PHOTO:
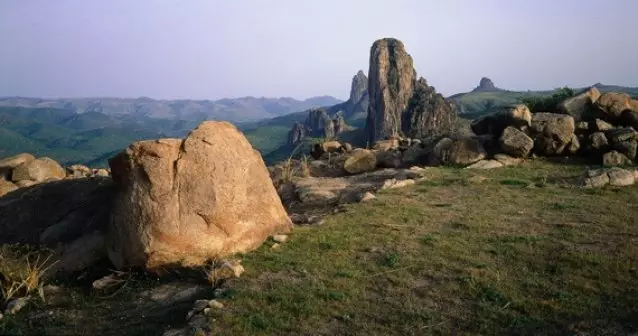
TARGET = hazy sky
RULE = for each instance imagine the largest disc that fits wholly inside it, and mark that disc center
(209, 49)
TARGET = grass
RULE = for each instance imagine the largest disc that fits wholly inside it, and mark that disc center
(21, 271)
(515, 252)
(452, 256)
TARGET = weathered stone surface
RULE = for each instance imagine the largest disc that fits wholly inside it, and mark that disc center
(518, 116)
(390, 87)
(6, 187)
(389, 159)
(395, 184)
(601, 125)
(462, 151)
(578, 106)
(620, 177)
(507, 160)
(516, 143)
(9, 163)
(319, 124)
(71, 217)
(339, 124)
(297, 133)
(319, 149)
(615, 158)
(628, 148)
(38, 170)
(181, 202)
(78, 171)
(428, 113)
(553, 132)
(25, 183)
(360, 161)
(386, 145)
(358, 101)
(574, 146)
(101, 172)
(582, 127)
(598, 140)
(617, 135)
(630, 117)
(594, 179)
(485, 164)
(415, 155)
(611, 105)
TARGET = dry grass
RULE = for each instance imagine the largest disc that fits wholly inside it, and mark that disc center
(22, 270)
(305, 166)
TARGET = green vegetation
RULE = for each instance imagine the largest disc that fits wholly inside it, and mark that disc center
(545, 103)
(431, 259)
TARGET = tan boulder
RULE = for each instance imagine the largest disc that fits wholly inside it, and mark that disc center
(78, 170)
(181, 202)
(553, 132)
(485, 164)
(39, 170)
(615, 158)
(578, 105)
(9, 163)
(518, 116)
(515, 142)
(101, 172)
(611, 105)
(6, 187)
(462, 151)
(360, 161)
(25, 183)
(386, 145)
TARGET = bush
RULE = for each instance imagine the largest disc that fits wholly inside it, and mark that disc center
(547, 103)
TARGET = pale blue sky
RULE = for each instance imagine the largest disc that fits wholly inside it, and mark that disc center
(209, 49)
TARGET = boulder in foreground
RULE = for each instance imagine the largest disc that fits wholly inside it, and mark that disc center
(181, 202)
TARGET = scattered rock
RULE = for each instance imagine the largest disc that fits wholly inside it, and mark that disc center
(628, 148)
(38, 170)
(367, 196)
(275, 246)
(598, 140)
(389, 159)
(463, 151)
(386, 145)
(515, 142)
(16, 305)
(228, 270)
(485, 164)
(582, 127)
(200, 305)
(182, 202)
(360, 161)
(282, 238)
(215, 304)
(595, 179)
(518, 116)
(615, 158)
(507, 160)
(620, 177)
(600, 125)
(617, 135)
(108, 281)
(298, 218)
(394, 183)
(415, 154)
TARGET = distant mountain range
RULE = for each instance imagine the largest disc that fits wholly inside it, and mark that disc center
(235, 110)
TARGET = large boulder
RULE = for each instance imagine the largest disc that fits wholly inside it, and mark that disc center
(38, 170)
(390, 88)
(389, 159)
(360, 161)
(617, 135)
(611, 105)
(515, 142)
(428, 113)
(598, 140)
(578, 105)
(9, 163)
(68, 216)
(553, 132)
(518, 116)
(6, 187)
(628, 148)
(615, 158)
(182, 202)
(460, 151)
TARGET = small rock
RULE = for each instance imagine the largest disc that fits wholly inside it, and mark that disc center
(594, 179)
(417, 169)
(281, 238)
(367, 196)
(621, 177)
(615, 158)
(215, 304)
(207, 311)
(15, 305)
(600, 125)
(275, 246)
(298, 218)
(200, 305)
(507, 160)
(394, 183)
(316, 220)
(485, 164)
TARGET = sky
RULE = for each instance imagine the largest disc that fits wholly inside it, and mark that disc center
(211, 49)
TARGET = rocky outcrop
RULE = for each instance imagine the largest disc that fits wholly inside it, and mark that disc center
(339, 124)
(486, 85)
(610, 106)
(297, 133)
(319, 124)
(518, 116)
(358, 101)
(553, 132)
(428, 113)
(515, 142)
(579, 105)
(390, 88)
(8, 164)
(181, 202)
(68, 216)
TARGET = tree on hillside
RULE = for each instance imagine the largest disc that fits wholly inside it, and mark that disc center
(547, 103)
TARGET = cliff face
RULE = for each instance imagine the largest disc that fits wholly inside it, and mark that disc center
(358, 101)
(390, 87)
(428, 113)
(486, 85)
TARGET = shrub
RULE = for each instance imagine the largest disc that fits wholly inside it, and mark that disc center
(547, 103)
(21, 270)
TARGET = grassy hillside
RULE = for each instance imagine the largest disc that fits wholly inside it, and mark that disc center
(543, 259)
